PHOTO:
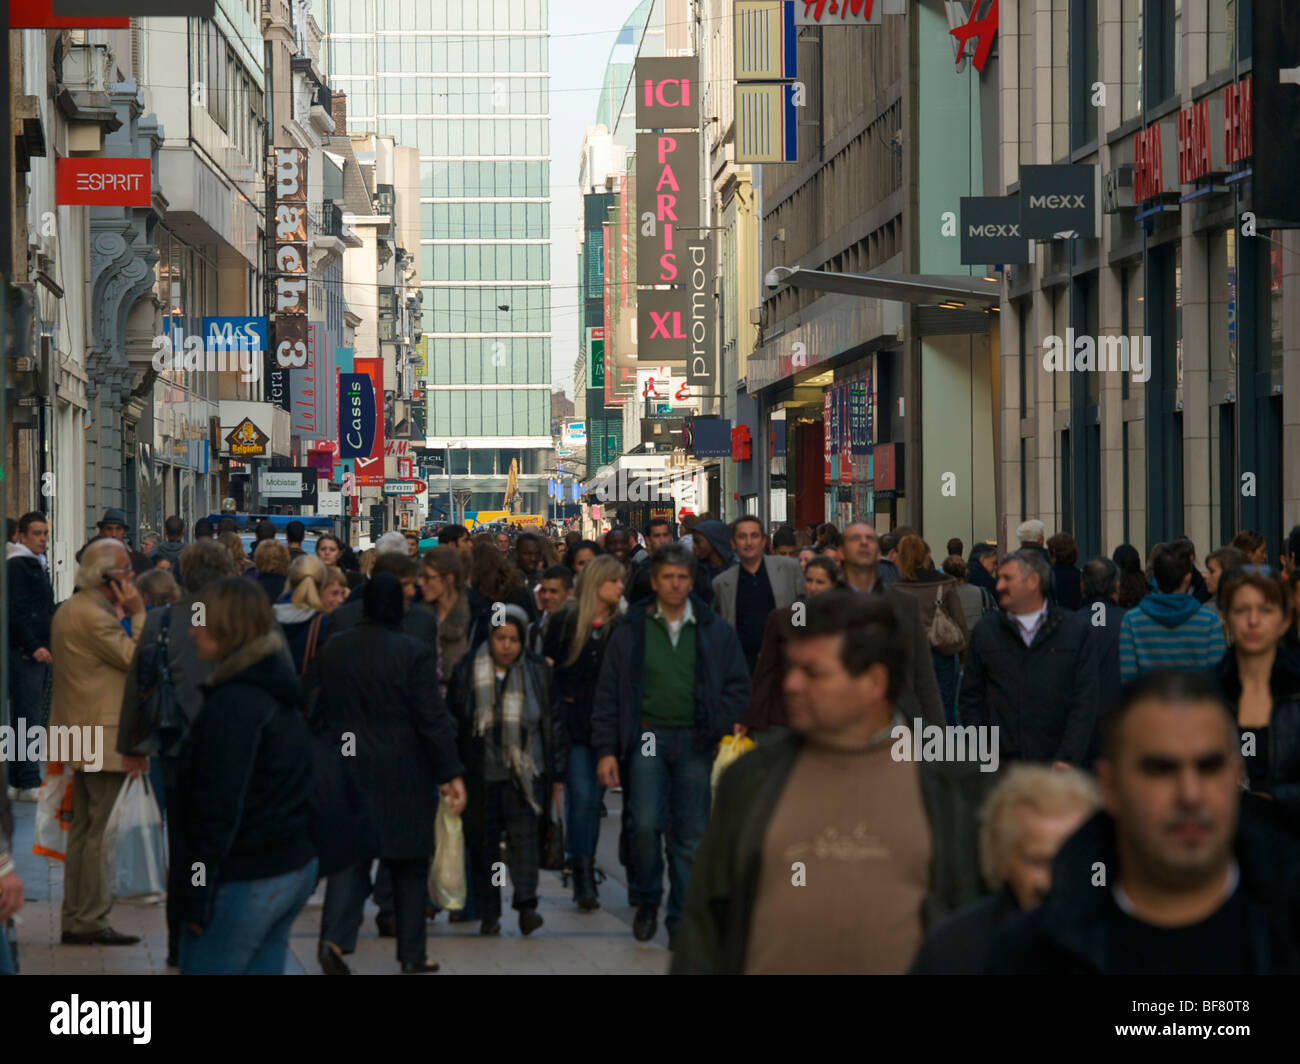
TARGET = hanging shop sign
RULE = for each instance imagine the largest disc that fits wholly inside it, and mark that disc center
(766, 40)
(1154, 162)
(838, 12)
(701, 362)
(974, 37)
(668, 93)
(1275, 69)
(767, 122)
(103, 182)
(102, 9)
(668, 200)
(990, 231)
(1058, 199)
(289, 184)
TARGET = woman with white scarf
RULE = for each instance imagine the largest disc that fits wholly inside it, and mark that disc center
(516, 755)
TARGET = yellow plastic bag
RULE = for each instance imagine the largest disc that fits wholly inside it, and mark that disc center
(730, 749)
(447, 873)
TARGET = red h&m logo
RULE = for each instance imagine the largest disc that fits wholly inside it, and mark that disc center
(981, 30)
(104, 182)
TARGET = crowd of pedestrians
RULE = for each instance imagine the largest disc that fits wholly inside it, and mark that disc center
(332, 704)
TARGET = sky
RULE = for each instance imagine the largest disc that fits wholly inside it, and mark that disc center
(582, 35)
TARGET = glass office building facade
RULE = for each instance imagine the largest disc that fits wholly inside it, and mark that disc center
(466, 83)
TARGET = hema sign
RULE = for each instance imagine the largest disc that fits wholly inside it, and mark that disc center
(1058, 199)
(990, 231)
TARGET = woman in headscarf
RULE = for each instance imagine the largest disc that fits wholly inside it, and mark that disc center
(516, 754)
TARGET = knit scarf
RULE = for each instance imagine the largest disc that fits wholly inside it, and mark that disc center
(517, 698)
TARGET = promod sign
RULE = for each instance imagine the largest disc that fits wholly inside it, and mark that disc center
(84, 182)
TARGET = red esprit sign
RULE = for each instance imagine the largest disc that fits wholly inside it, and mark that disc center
(1237, 144)
(39, 15)
(103, 182)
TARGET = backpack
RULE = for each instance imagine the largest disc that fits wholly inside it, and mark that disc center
(159, 722)
(944, 634)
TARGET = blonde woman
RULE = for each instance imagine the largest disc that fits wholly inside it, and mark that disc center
(367, 561)
(304, 619)
(575, 640)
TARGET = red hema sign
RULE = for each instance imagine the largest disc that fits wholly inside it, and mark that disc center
(104, 182)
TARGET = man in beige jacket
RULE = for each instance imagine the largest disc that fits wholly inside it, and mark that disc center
(92, 654)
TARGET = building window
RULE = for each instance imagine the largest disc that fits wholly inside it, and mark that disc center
(1135, 481)
(1130, 67)
(1083, 72)
(1221, 35)
(1060, 74)
(1026, 44)
(1022, 320)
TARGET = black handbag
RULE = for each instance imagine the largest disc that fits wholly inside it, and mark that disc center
(159, 722)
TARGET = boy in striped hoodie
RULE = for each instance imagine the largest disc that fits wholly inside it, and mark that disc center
(1169, 629)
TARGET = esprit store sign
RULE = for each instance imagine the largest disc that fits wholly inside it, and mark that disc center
(103, 182)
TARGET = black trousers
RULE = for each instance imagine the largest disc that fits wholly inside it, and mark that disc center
(345, 899)
(27, 679)
(504, 809)
(178, 868)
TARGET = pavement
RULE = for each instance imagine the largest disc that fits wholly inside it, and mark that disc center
(570, 942)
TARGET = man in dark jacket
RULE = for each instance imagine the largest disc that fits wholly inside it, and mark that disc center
(832, 808)
(1031, 671)
(674, 681)
(1103, 613)
(1176, 876)
(379, 693)
(31, 608)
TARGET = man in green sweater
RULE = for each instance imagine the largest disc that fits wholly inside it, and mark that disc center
(674, 681)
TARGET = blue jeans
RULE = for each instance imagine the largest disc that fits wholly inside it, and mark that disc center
(667, 792)
(249, 930)
(582, 802)
(945, 672)
(6, 961)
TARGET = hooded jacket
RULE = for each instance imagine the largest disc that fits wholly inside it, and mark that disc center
(247, 781)
(31, 602)
(296, 622)
(719, 537)
(1169, 631)
(169, 551)
(1073, 931)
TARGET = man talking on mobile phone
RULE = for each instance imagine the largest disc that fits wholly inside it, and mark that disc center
(92, 654)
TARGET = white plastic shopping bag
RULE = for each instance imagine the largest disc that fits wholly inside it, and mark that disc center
(133, 844)
(447, 874)
(54, 812)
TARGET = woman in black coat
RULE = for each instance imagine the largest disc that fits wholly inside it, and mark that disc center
(379, 695)
(1261, 684)
(515, 752)
(575, 641)
(246, 794)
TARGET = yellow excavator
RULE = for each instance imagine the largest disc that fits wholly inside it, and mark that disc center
(513, 495)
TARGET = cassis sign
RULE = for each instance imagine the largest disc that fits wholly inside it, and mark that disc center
(1058, 199)
(990, 231)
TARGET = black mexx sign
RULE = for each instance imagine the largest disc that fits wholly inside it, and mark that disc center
(1058, 199)
(990, 231)
(1276, 106)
